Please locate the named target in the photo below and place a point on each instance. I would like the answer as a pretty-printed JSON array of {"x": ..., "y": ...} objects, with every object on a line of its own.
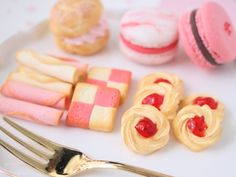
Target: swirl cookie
[
  {"x": 204, "y": 100},
  {"x": 144, "y": 129},
  {"x": 162, "y": 96},
  {"x": 161, "y": 77},
  {"x": 197, "y": 127}
]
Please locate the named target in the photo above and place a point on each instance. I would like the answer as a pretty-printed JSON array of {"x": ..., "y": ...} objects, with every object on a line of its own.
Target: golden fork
[{"x": 63, "y": 161}]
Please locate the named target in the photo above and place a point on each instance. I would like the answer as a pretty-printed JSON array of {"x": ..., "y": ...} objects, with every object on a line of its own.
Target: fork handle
[{"x": 125, "y": 167}]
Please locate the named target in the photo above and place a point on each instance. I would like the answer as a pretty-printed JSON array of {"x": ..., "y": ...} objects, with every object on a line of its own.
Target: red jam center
[
  {"x": 154, "y": 100},
  {"x": 197, "y": 125},
  {"x": 206, "y": 101},
  {"x": 162, "y": 80},
  {"x": 146, "y": 128}
]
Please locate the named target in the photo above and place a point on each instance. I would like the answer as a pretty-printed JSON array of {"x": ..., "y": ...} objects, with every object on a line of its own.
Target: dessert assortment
[
  {"x": 38, "y": 84},
  {"x": 79, "y": 27},
  {"x": 43, "y": 87}
]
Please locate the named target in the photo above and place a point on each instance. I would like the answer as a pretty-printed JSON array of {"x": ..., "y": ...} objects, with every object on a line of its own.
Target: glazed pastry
[
  {"x": 197, "y": 127},
  {"x": 162, "y": 96},
  {"x": 79, "y": 26},
  {"x": 204, "y": 100},
  {"x": 208, "y": 35},
  {"x": 29, "y": 76},
  {"x": 114, "y": 78},
  {"x": 144, "y": 129},
  {"x": 93, "y": 107},
  {"x": 149, "y": 36},
  {"x": 50, "y": 66},
  {"x": 161, "y": 77},
  {"x": 29, "y": 111},
  {"x": 33, "y": 94}
]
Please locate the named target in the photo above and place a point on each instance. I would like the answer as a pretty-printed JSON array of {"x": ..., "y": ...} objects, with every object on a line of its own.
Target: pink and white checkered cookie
[
  {"x": 113, "y": 78},
  {"x": 93, "y": 107}
]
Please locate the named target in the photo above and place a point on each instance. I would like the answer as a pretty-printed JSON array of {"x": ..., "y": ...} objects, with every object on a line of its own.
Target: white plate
[{"x": 219, "y": 160}]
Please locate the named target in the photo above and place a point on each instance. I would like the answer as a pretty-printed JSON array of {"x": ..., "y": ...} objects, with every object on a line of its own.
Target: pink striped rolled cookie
[
  {"x": 80, "y": 66},
  {"x": 113, "y": 78},
  {"x": 51, "y": 66},
  {"x": 33, "y": 94},
  {"x": 149, "y": 36},
  {"x": 93, "y": 107},
  {"x": 29, "y": 111}
]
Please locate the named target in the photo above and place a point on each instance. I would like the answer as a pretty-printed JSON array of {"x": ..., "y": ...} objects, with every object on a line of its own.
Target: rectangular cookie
[
  {"x": 29, "y": 76},
  {"x": 33, "y": 94},
  {"x": 93, "y": 107},
  {"x": 51, "y": 66},
  {"x": 113, "y": 78},
  {"x": 29, "y": 111}
]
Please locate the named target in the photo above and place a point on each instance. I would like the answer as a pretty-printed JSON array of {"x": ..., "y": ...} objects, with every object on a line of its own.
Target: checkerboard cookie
[
  {"x": 93, "y": 107},
  {"x": 114, "y": 78}
]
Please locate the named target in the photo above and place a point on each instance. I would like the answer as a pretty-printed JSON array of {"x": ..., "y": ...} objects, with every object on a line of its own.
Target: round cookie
[
  {"x": 162, "y": 77},
  {"x": 149, "y": 36},
  {"x": 162, "y": 96},
  {"x": 144, "y": 129},
  {"x": 205, "y": 100},
  {"x": 196, "y": 127}
]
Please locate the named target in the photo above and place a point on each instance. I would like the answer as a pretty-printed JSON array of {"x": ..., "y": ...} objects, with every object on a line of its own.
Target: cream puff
[
  {"x": 79, "y": 26},
  {"x": 144, "y": 129}
]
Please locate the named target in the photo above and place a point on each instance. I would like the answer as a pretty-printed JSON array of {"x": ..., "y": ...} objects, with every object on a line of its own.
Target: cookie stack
[
  {"x": 159, "y": 102},
  {"x": 145, "y": 126}
]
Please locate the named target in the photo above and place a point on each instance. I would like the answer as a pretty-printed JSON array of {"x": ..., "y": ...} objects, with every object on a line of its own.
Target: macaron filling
[
  {"x": 97, "y": 31},
  {"x": 203, "y": 49},
  {"x": 146, "y": 50}
]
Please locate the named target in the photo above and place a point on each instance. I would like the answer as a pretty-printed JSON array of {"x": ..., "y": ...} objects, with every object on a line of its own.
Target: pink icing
[{"x": 97, "y": 31}]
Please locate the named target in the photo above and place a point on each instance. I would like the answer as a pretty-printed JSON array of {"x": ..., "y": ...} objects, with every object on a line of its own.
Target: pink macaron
[
  {"x": 208, "y": 35},
  {"x": 149, "y": 36}
]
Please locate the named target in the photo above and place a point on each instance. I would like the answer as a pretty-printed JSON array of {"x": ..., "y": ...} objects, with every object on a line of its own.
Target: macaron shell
[
  {"x": 217, "y": 32},
  {"x": 160, "y": 28},
  {"x": 189, "y": 43},
  {"x": 147, "y": 59}
]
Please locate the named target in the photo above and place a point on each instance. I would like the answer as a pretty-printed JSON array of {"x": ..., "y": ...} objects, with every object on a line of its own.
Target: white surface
[{"x": 219, "y": 160}]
